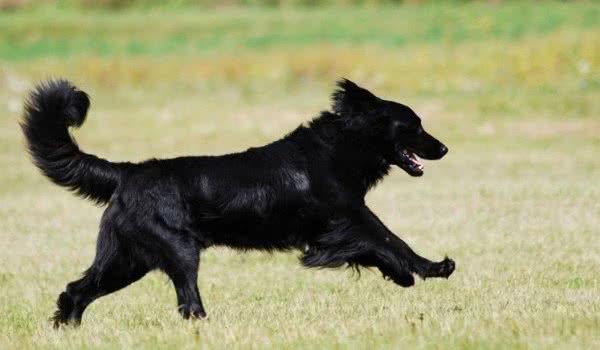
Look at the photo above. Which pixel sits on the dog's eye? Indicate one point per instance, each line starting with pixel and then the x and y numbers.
pixel 419 130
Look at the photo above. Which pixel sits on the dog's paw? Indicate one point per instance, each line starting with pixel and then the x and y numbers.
pixel 404 280
pixel 62 316
pixel 441 269
pixel 193 311
pixel 445 268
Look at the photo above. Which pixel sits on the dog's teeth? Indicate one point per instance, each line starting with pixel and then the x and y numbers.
pixel 417 161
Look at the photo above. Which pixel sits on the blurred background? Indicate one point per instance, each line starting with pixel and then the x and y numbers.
pixel 513 88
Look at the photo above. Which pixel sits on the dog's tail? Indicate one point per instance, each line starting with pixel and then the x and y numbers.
pixel 53 107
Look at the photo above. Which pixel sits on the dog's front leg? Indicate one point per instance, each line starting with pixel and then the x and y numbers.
pixel 387 241
pixel 358 237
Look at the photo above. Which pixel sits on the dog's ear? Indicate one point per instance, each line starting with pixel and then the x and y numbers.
pixel 350 99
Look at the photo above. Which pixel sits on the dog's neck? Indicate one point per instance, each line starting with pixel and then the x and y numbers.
pixel 360 165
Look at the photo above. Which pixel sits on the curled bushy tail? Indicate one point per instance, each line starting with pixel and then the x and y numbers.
pixel 52 107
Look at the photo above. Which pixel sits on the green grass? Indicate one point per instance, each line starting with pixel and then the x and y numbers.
pixel 511 88
pixel 175 32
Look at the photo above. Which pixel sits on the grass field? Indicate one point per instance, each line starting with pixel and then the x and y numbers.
pixel 513 89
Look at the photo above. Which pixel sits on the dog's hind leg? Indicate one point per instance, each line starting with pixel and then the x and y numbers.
pixel 179 259
pixel 113 269
pixel 182 268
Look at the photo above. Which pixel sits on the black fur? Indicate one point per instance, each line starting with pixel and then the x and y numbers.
pixel 305 191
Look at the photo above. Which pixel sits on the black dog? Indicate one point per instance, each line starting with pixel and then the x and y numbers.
pixel 305 191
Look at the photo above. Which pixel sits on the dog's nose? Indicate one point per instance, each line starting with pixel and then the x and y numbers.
pixel 443 150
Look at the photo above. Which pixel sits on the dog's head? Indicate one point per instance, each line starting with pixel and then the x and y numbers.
pixel 393 128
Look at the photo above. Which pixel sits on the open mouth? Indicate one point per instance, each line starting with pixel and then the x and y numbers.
pixel 410 162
